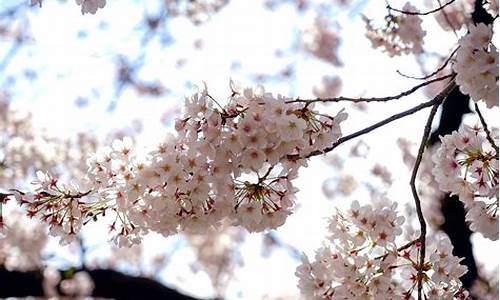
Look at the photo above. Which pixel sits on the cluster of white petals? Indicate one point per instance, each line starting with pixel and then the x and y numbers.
pixel 230 164
pixel 322 41
pixel 58 205
pixel 466 165
pixel 402 34
pixel 477 65
pixel 362 261
pixel 90 6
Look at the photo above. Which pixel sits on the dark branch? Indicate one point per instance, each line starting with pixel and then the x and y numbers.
pixel 438 99
pixel 459 233
pixel 420 13
pixel 108 284
pixel 445 63
pixel 425 137
pixel 486 130
pixel 452 208
pixel 374 99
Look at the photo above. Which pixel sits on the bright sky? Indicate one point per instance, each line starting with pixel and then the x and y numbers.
pixel 249 34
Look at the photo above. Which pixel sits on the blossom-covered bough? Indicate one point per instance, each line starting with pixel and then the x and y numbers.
pixel 235 163
pixel 362 260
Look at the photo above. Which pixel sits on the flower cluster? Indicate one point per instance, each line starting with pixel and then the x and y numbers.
pixel 226 164
pixel 477 65
pixel 322 41
pixel 402 34
pixel 118 177
pixel 61 207
pixel 363 262
pixel 466 165
pixel 90 6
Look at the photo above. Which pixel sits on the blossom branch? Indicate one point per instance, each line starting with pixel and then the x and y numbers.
pixel 420 13
pixel 486 130
pixel 423 228
pixel 276 240
pixel 438 99
pixel 445 63
pixel 373 99
pixel 404 247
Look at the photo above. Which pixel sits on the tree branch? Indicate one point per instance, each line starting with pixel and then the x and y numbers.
pixel 438 99
pixel 108 284
pixel 452 208
pixel 445 63
pixel 486 130
pixel 372 99
pixel 420 13
pixel 423 227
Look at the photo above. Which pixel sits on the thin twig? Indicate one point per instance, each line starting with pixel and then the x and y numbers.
pixel 404 247
pixel 433 73
pixel 294 252
pixel 265 175
pixel 83 252
pixel 372 99
pixel 414 13
pixel 425 137
pixel 486 130
pixel 448 20
pixel 366 130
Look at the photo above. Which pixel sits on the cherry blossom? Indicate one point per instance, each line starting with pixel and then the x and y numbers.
pixel 225 163
pixel 466 165
pixel 56 204
pixel 361 260
pixel 322 41
pixel 402 34
pixel 477 65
